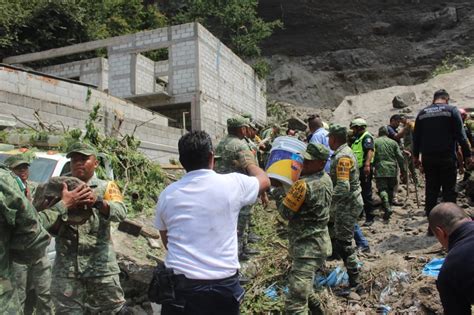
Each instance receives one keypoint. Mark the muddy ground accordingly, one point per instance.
(391, 272)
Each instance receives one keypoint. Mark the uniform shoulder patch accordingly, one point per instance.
(113, 193)
(296, 196)
(343, 168)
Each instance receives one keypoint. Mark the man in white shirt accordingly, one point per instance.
(197, 219)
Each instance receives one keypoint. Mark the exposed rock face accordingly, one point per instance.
(331, 49)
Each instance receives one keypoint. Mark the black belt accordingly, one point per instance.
(183, 282)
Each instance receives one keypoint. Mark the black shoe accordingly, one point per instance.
(364, 249)
(368, 223)
(387, 215)
(251, 251)
(253, 238)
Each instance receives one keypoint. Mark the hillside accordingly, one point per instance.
(330, 49)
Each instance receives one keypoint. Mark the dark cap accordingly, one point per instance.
(316, 152)
(17, 160)
(442, 93)
(82, 148)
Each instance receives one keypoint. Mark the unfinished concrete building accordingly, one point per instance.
(198, 84)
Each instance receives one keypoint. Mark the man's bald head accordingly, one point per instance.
(447, 216)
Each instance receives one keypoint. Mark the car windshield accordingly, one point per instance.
(41, 169)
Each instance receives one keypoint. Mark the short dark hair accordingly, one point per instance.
(441, 94)
(446, 215)
(194, 149)
(396, 117)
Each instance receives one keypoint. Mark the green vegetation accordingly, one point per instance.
(140, 179)
(452, 63)
(34, 25)
(272, 265)
(234, 22)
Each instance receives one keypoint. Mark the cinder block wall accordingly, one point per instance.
(92, 71)
(67, 104)
(228, 85)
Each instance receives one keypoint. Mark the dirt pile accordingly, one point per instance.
(330, 49)
(376, 106)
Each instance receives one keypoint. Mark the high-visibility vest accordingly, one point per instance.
(358, 150)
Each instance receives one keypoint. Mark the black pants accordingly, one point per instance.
(440, 172)
(366, 185)
(206, 297)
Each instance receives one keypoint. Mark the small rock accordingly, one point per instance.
(404, 100)
(381, 28)
(153, 243)
(354, 296)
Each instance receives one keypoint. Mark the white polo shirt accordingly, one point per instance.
(200, 213)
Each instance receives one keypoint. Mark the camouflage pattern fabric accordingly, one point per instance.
(387, 156)
(85, 251)
(346, 207)
(386, 187)
(101, 295)
(35, 278)
(306, 206)
(22, 237)
(233, 155)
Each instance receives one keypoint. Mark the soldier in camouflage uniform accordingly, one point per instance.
(85, 272)
(306, 207)
(233, 154)
(32, 280)
(387, 156)
(23, 238)
(347, 201)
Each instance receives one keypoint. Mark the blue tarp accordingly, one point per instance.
(433, 267)
(337, 277)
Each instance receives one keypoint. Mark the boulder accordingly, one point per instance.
(381, 28)
(404, 100)
(50, 193)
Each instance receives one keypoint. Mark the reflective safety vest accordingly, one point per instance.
(358, 150)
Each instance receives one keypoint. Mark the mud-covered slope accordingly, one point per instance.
(330, 49)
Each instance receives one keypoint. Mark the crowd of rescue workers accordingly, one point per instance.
(205, 218)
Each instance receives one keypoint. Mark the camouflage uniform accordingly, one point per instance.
(387, 155)
(234, 155)
(306, 206)
(22, 238)
(32, 280)
(346, 205)
(85, 271)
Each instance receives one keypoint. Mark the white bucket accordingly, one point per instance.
(286, 159)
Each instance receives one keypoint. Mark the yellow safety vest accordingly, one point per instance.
(358, 150)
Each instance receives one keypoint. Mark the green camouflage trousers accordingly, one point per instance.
(342, 233)
(33, 284)
(300, 287)
(243, 227)
(386, 187)
(98, 295)
(9, 303)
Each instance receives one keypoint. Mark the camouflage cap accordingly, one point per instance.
(17, 160)
(248, 116)
(253, 125)
(383, 131)
(82, 148)
(337, 129)
(316, 152)
(236, 122)
(358, 122)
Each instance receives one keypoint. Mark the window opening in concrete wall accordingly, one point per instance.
(159, 57)
(179, 115)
